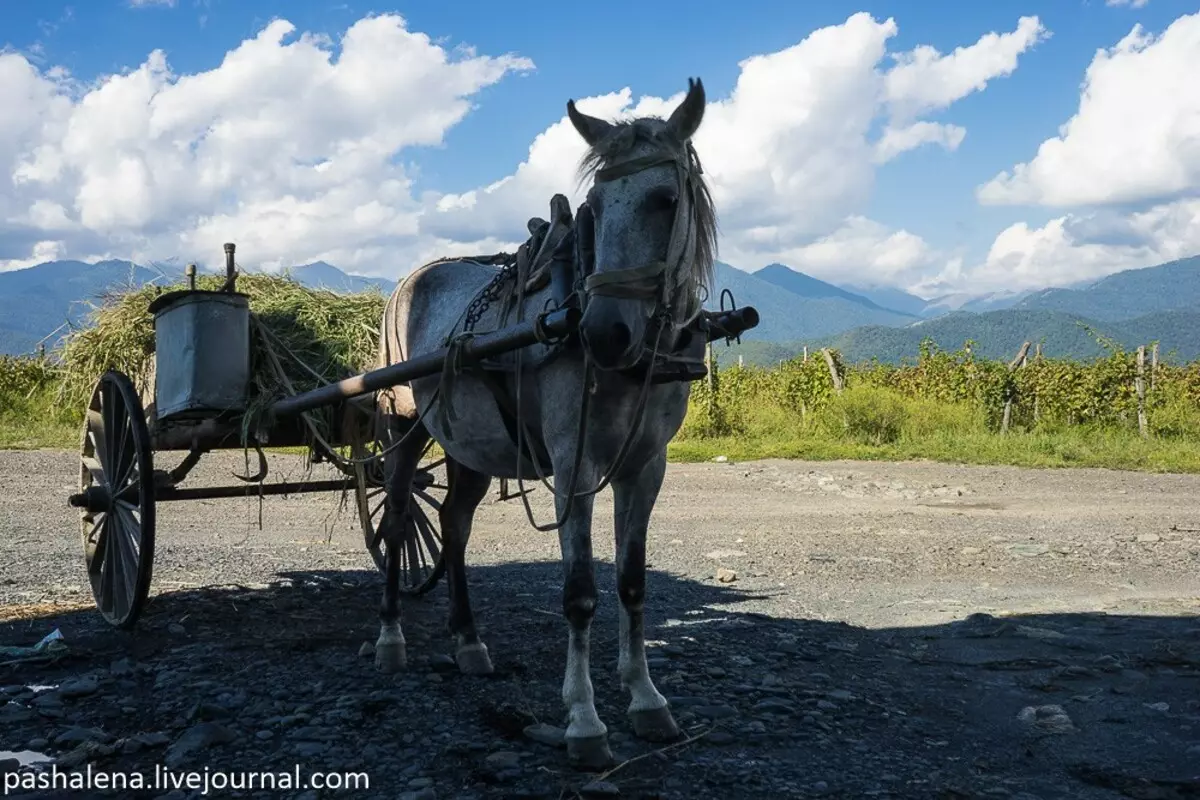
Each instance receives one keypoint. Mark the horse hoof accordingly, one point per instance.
(473, 659)
(390, 657)
(654, 724)
(589, 753)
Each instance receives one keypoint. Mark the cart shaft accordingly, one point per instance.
(552, 325)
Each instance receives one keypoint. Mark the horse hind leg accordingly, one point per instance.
(466, 490)
(400, 467)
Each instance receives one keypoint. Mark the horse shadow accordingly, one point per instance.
(279, 674)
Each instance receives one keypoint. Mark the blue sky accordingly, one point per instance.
(586, 49)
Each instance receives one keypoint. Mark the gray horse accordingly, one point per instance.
(654, 244)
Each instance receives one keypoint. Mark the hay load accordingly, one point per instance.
(301, 338)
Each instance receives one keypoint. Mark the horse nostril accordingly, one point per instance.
(609, 344)
(622, 337)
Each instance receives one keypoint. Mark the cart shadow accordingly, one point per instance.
(787, 707)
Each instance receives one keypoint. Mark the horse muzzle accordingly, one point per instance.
(610, 340)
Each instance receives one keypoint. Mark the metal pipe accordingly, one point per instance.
(731, 323)
(551, 325)
(230, 267)
(169, 493)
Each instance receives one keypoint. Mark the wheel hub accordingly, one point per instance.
(93, 499)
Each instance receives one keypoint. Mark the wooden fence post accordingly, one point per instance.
(838, 384)
(805, 354)
(708, 363)
(1140, 384)
(1013, 366)
(1153, 364)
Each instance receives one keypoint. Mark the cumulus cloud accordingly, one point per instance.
(1078, 247)
(1135, 137)
(789, 153)
(293, 147)
(1130, 3)
(285, 147)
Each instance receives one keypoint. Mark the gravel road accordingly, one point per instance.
(877, 630)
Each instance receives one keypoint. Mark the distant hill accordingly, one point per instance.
(895, 299)
(34, 302)
(320, 275)
(999, 334)
(978, 303)
(804, 285)
(787, 316)
(1128, 294)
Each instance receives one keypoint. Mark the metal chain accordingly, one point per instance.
(490, 294)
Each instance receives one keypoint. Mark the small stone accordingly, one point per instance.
(420, 783)
(198, 737)
(81, 687)
(721, 738)
(546, 734)
(1049, 719)
(716, 712)
(600, 789)
(842, 694)
(423, 794)
(503, 759)
(757, 726)
(971, 551)
(1028, 550)
(176, 629)
(715, 672)
(1158, 706)
(721, 459)
(442, 662)
(725, 575)
(1149, 538)
(264, 735)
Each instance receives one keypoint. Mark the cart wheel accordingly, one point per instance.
(116, 500)
(421, 562)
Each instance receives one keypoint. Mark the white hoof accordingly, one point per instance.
(390, 655)
(473, 659)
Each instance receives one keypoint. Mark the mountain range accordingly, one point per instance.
(1160, 303)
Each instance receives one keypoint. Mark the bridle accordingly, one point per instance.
(652, 280)
(672, 310)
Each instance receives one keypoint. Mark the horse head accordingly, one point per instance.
(649, 221)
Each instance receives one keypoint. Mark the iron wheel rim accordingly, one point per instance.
(116, 460)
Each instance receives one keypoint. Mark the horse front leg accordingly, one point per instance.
(587, 736)
(400, 467)
(633, 501)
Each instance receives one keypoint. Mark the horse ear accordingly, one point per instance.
(591, 129)
(685, 120)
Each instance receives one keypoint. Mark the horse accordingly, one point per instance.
(584, 413)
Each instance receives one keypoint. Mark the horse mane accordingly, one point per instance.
(622, 138)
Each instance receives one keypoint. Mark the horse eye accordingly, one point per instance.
(662, 199)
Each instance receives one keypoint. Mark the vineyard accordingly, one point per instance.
(944, 395)
(943, 405)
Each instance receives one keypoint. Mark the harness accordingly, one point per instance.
(561, 253)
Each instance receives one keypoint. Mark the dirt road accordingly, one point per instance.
(893, 630)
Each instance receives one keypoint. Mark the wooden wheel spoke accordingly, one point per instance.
(95, 422)
(432, 540)
(128, 531)
(101, 533)
(94, 468)
(410, 544)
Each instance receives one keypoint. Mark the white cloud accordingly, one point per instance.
(148, 3)
(789, 154)
(1130, 3)
(1135, 137)
(283, 148)
(294, 151)
(1077, 247)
